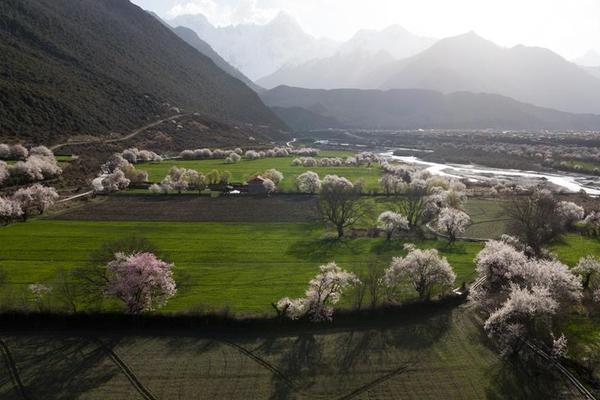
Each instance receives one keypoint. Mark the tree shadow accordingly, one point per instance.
(322, 249)
(524, 379)
(60, 367)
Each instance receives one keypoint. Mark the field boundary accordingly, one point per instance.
(13, 371)
(145, 392)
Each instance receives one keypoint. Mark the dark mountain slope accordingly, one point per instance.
(95, 66)
(415, 108)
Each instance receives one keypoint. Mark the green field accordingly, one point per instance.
(488, 218)
(241, 266)
(439, 355)
(245, 169)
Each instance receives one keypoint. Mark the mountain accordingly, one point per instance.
(594, 71)
(589, 59)
(416, 108)
(355, 62)
(301, 119)
(395, 40)
(96, 66)
(259, 50)
(343, 70)
(191, 38)
(471, 63)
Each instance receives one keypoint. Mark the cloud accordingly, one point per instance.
(225, 12)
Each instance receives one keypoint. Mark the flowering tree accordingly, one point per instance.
(392, 223)
(269, 185)
(19, 152)
(308, 182)
(233, 158)
(9, 210)
(275, 176)
(3, 172)
(526, 314)
(141, 281)
(135, 175)
(391, 184)
(452, 222)
(569, 212)
(425, 270)
(324, 291)
(41, 151)
(252, 155)
(4, 151)
(588, 268)
(501, 265)
(36, 198)
(339, 202)
(112, 182)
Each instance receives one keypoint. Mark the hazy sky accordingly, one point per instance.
(569, 27)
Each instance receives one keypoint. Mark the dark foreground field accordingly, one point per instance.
(180, 208)
(441, 355)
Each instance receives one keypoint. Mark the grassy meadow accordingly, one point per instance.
(241, 266)
(245, 169)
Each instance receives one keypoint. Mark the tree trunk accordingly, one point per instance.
(340, 231)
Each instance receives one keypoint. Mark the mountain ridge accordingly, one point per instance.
(418, 108)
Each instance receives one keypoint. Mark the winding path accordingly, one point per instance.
(120, 139)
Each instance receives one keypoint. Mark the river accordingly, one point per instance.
(568, 181)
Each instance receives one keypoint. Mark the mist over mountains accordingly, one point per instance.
(394, 58)
(259, 50)
(305, 109)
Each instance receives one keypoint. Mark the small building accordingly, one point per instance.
(256, 186)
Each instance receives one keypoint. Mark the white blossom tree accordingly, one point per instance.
(424, 270)
(3, 172)
(308, 182)
(269, 185)
(36, 198)
(275, 176)
(452, 222)
(569, 212)
(526, 314)
(9, 210)
(392, 223)
(588, 268)
(324, 291)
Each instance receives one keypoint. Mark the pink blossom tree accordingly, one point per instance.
(424, 270)
(324, 291)
(141, 281)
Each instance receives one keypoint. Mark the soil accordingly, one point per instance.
(192, 208)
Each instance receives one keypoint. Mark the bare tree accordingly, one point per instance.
(339, 202)
(535, 220)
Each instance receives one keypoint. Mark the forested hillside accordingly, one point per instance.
(95, 66)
